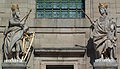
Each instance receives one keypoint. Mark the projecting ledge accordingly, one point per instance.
(60, 49)
(54, 52)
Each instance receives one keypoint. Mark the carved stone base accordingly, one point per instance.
(14, 66)
(105, 64)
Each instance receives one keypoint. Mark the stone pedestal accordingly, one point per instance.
(14, 66)
(106, 64)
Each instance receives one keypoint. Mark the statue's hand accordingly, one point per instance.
(23, 22)
(95, 21)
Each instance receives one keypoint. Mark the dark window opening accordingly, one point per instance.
(59, 67)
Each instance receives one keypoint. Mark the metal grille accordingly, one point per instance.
(60, 8)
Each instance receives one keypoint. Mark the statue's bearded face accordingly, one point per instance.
(102, 10)
(16, 14)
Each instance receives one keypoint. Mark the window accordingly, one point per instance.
(60, 8)
(59, 66)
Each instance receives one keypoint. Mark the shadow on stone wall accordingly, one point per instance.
(91, 50)
(29, 54)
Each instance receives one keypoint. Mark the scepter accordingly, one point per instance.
(26, 17)
(87, 17)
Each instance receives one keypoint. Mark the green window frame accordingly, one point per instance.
(60, 8)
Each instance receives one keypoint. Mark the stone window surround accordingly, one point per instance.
(45, 63)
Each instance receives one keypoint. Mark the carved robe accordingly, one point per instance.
(12, 40)
(103, 36)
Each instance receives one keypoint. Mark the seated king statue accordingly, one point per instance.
(105, 34)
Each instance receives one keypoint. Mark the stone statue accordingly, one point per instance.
(105, 34)
(13, 34)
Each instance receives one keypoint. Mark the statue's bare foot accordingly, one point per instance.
(102, 56)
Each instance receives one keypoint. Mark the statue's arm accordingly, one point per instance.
(115, 29)
(94, 23)
(115, 33)
(16, 22)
